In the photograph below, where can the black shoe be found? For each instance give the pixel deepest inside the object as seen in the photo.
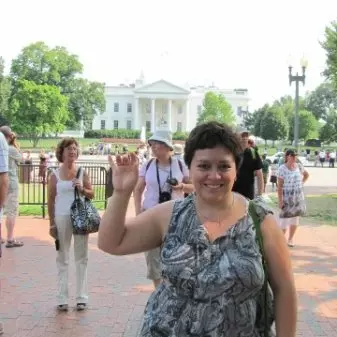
(62, 307)
(81, 306)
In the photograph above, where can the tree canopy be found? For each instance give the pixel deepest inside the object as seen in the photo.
(216, 107)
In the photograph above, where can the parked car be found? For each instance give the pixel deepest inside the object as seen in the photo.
(303, 160)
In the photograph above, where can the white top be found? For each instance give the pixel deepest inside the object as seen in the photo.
(333, 155)
(151, 193)
(65, 194)
(3, 154)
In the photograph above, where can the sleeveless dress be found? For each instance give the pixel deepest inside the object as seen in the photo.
(209, 288)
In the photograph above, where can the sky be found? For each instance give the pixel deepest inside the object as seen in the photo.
(232, 44)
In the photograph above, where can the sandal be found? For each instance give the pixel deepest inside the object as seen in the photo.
(14, 243)
(62, 307)
(81, 306)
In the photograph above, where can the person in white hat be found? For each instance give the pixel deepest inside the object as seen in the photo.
(161, 178)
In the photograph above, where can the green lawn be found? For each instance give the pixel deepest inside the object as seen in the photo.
(47, 144)
(321, 208)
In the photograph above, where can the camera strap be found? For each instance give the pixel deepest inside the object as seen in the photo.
(158, 178)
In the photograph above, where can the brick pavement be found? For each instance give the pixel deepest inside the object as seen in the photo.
(119, 290)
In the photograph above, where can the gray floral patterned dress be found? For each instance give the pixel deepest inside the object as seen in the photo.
(209, 289)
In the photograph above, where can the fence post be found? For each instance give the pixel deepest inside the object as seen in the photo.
(44, 195)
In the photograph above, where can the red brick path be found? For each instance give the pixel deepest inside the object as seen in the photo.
(119, 290)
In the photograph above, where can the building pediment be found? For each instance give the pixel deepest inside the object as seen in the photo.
(161, 87)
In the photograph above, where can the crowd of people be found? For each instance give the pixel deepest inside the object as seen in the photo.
(194, 224)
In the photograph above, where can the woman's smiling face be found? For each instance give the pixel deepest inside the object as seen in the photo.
(213, 173)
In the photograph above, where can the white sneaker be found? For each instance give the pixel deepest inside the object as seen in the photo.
(290, 243)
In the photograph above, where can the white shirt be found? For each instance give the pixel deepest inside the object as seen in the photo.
(65, 194)
(333, 155)
(151, 193)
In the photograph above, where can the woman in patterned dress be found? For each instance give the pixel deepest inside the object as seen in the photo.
(211, 263)
(291, 177)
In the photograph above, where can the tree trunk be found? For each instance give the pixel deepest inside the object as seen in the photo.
(35, 141)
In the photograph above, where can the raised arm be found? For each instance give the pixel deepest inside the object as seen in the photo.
(119, 236)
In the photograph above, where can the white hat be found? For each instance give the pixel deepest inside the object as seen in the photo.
(177, 149)
(162, 136)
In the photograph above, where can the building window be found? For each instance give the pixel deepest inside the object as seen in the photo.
(115, 124)
(102, 124)
(180, 109)
(239, 111)
(179, 127)
(148, 126)
(199, 109)
(116, 107)
(129, 107)
(128, 124)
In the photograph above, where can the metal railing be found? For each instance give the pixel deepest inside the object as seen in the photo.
(33, 181)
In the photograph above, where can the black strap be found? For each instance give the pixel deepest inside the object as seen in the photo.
(76, 191)
(179, 162)
(158, 179)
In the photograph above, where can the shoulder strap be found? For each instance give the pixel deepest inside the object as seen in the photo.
(252, 150)
(79, 170)
(148, 164)
(76, 192)
(259, 238)
(181, 166)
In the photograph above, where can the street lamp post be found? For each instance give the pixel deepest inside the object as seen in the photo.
(297, 79)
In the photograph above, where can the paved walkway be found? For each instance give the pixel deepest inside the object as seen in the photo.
(119, 290)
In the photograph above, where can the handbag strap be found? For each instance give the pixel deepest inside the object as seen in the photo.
(259, 239)
(76, 192)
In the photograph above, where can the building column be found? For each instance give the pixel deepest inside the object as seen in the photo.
(169, 115)
(187, 115)
(153, 117)
(136, 116)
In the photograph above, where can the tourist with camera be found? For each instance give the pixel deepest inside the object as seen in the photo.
(162, 178)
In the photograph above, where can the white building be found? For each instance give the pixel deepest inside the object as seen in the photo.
(160, 104)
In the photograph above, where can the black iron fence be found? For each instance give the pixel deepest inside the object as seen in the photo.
(33, 181)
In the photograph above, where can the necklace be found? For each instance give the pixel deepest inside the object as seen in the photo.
(208, 220)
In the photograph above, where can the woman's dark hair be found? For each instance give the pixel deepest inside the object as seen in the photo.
(210, 135)
(65, 142)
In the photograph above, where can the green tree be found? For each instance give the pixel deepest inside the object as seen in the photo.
(274, 125)
(328, 132)
(249, 122)
(308, 125)
(85, 100)
(215, 107)
(5, 90)
(321, 100)
(330, 46)
(38, 109)
(257, 119)
(57, 67)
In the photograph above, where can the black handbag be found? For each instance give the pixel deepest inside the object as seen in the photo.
(84, 215)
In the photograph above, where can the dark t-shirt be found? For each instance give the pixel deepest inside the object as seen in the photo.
(245, 179)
